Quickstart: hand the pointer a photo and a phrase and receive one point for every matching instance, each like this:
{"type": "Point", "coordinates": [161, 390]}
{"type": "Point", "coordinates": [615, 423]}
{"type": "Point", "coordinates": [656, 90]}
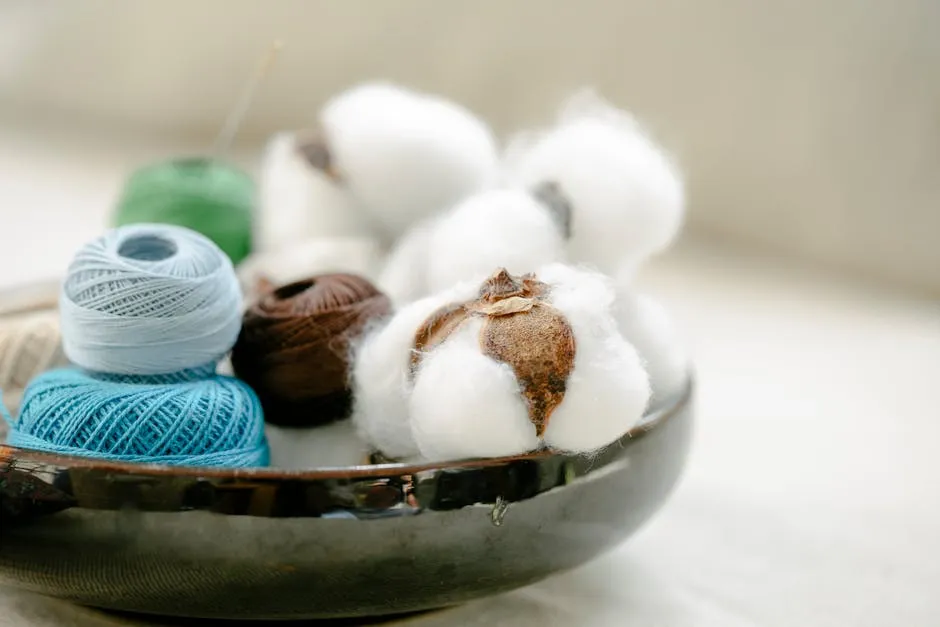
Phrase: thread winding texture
{"type": "Point", "coordinates": [294, 347]}
{"type": "Point", "coordinates": [146, 312]}
{"type": "Point", "coordinates": [190, 418]}
{"type": "Point", "coordinates": [207, 196]}
{"type": "Point", "coordinates": [149, 299]}
{"type": "Point", "coordinates": [29, 345]}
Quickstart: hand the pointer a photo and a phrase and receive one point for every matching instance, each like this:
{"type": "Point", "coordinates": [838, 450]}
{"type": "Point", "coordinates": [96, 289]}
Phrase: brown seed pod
{"type": "Point", "coordinates": [294, 346]}
{"type": "Point", "coordinates": [520, 329]}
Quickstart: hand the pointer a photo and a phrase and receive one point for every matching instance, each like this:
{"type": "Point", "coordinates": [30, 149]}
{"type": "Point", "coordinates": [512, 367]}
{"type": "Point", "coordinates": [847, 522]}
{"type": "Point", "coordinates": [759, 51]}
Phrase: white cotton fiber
{"type": "Point", "coordinates": [498, 228]}
{"type": "Point", "coordinates": [608, 390]}
{"type": "Point", "coordinates": [380, 375]}
{"type": "Point", "coordinates": [626, 195]}
{"type": "Point", "coordinates": [298, 202]}
{"type": "Point", "coordinates": [405, 155]}
{"type": "Point", "coordinates": [466, 405]}
{"type": "Point", "coordinates": [502, 228]}
{"type": "Point", "coordinates": [332, 445]}
{"type": "Point", "coordinates": [647, 326]}
{"type": "Point", "coordinates": [404, 274]}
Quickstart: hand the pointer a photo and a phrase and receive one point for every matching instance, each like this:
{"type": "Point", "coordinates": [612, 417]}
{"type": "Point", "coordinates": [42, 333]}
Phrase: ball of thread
{"type": "Point", "coordinates": [294, 348]}
{"type": "Point", "coordinates": [29, 345]}
{"type": "Point", "coordinates": [188, 418]}
{"type": "Point", "coordinates": [205, 195]}
{"type": "Point", "coordinates": [149, 299]}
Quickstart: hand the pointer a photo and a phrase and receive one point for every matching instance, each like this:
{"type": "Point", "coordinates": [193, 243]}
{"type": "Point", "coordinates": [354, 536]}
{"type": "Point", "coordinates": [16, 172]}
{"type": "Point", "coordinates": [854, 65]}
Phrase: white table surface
{"type": "Point", "coordinates": [812, 496]}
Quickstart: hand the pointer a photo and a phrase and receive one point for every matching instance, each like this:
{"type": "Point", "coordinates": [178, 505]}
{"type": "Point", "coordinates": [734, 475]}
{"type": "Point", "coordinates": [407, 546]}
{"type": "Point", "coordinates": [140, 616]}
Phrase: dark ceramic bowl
{"type": "Point", "coordinates": [332, 542]}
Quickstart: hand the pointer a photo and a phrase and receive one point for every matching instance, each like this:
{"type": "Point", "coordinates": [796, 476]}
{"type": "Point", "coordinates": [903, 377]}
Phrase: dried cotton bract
{"type": "Point", "coordinates": [507, 228]}
{"type": "Point", "coordinates": [523, 362]}
{"type": "Point", "coordinates": [626, 195]}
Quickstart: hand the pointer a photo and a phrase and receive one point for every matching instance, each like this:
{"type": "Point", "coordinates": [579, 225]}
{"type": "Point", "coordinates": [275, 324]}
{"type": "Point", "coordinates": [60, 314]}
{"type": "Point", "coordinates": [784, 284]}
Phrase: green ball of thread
{"type": "Point", "coordinates": [205, 195]}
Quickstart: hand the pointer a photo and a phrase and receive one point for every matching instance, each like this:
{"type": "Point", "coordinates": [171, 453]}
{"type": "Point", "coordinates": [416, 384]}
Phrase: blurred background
{"type": "Point", "coordinates": [806, 283]}
{"type": "Point", "coordinates": [807, 129]}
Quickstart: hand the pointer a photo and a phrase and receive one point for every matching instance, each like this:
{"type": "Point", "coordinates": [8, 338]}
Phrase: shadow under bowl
{"type": "Point", "coordinates": [324, 543]}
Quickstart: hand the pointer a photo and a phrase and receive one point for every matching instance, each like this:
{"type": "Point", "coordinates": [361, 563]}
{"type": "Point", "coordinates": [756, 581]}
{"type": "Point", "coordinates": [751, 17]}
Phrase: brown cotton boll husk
{"type": "Point", "coordinates": [294, 346]}
{"type": "Point", "coordinates": [520, 329]}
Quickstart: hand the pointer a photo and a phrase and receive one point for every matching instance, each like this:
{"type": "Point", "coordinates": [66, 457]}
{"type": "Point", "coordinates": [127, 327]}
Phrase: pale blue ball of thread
{"type": "Point", "coordinates": [149, 299]}
{"type": "Point", "coordinates": [189, 418]}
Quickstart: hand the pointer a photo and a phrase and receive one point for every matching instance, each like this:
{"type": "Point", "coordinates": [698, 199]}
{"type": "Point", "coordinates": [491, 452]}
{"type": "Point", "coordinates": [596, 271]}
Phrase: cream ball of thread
{"type": "Point", "coordinates": [149, 299]}
{"type": "Point", "coordinates": [381, 371]}
{"type": "Point", "coordinates": [647, 325]}
{"type": "Point", "coordinates": [30, 344]}
{"type": "Point", "coordinates": [404, 154]}
{"type": "Point", "coordinates": [497, 228]}
{"type": "Point", "coordinates": [626, 194]}
{"type": "Point", "coordinates": [299, 203]}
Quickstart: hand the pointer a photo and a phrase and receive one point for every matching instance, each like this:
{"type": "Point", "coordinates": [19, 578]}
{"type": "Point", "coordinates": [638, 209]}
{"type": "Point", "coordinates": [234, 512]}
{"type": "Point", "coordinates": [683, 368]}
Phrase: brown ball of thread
{"type": "Point", "coordinates": [294, 346]}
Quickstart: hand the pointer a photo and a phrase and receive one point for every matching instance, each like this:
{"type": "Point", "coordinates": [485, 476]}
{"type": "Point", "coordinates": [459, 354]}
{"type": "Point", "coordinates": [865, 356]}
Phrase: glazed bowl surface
{"type": "Point", "coordinates": [328, 542]}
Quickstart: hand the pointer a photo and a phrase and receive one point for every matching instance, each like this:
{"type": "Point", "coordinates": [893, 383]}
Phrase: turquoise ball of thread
{"type": "Point", "coordinates": [189, 418]}
{"type": "Point", "coordinates": [206, 195]}
{"type": "Point", "coordinates": [146, 312]}
{"type": "Point", "coordinates": [149, 299]}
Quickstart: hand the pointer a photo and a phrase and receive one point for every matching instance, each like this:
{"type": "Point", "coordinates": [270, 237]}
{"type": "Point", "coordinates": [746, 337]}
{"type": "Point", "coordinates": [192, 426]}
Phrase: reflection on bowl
{"type": "Point", "coordinates": [329, 542]}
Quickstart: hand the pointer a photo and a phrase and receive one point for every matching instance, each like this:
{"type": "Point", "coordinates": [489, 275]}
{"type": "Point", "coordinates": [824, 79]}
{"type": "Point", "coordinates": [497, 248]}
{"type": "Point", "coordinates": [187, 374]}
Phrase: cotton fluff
{"type": "Point", "coordinates": [485, 414]}
{"type": "Point", "coordinates": [498, 228]}
{"type": "Point", "coordinates": [609, 389]}
{"type": "Point", "coordinates": [646, 324]}
{"type": "Point", "coordinates": [299, 203]}
{"type": "Point", "coordinates": [381, 366]}
{"type": "Point", "coordinates": [626, 195]}
{"type": "Point", "coordinates": [404, 273]}
{"type": "Point", "coordinates": [405, 155]}
{"type": "Point", "coordinates": [466, 404]}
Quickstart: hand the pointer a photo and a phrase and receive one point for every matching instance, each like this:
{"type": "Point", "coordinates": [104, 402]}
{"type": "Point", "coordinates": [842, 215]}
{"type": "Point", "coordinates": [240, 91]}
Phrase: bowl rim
{"type": "Point", "coordinates": [651, 421]}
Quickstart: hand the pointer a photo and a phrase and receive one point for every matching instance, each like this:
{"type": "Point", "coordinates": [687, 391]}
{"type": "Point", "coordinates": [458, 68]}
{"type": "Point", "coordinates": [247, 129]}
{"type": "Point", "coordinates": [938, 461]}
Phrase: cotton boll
{"type": "Point", "coordinates": [608, 390]}
{"type": "Point", "coordinates": [499, 228]}
{"type": "Point", "coordinates": [606, 396]}
{"type": "Point", "coordinates": [530, 359]}
{"type": "Point", "coordinates": [298, 202]}
{"type": "Point", "coordinates": [404, 274]}
{"type": "Point", "coordinates": [503, 228]}
{"type": "Point", "coordinates": [405, 155]}
{"type": "Point", "coordinates": [466, 405]}
{"type": "Point", "coordinates": [626, 195]}
{"type": "Point", "coordinates": [648, 327]}
{"type": "Point", "coordinates": [381, 366]}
